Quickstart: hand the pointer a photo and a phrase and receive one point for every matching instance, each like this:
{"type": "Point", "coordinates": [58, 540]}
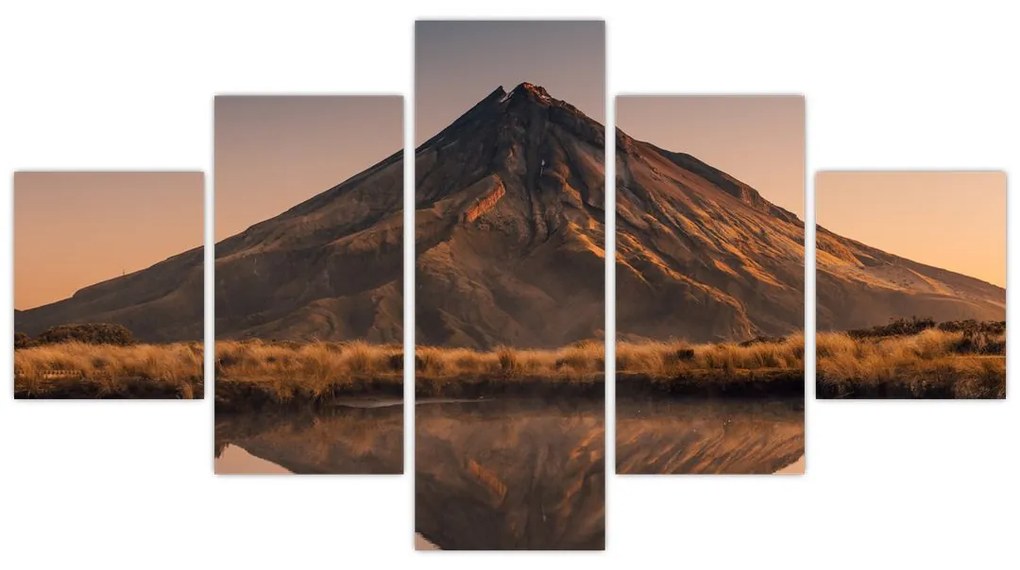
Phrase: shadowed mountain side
{"type": "Point", "coordinates": [162, 303]}
{"type": "Point", "coordinates": [509, 225]}
{"type": "Point", "coordinates": [859, 286]}
{"type": "Point", "coordinates": [511, 474]}
{"type": "Point", "coordinates": [328, 269]}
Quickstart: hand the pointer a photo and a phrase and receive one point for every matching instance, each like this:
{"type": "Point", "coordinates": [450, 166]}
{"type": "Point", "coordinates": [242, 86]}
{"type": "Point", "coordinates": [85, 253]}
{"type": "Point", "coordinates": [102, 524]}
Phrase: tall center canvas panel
{"type": "Point", "coordinates": [308, 284]}
{"type": "Point", "coordinates": [509, 285]}
{"type": "Point", "coordinates": [710, 284]}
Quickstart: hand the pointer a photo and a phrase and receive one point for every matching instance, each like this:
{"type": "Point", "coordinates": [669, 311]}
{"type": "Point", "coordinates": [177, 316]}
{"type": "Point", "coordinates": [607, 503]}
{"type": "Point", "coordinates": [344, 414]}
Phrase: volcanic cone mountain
{"type": "Point", "coordinates": [509, 225]}
{"type": "Point", "coordinates": [509, 241]}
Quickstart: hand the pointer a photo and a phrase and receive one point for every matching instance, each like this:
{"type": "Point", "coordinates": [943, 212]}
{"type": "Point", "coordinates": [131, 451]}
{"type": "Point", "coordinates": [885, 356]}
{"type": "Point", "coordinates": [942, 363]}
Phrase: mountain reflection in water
{"type": "Point", "coordinates": [342, 439]}
{"type": "Point", "coordinates": [704, 435]}
{"type": "Point", "coordinates": [511, 474]}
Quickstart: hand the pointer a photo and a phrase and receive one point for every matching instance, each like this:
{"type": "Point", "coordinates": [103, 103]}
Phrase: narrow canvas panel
{"type": "Point", "coordinates": [910, 279]}
{"type": "Point", "coordinates": [308, 284]}
{"type": "Point", "coordinates": [509, 285]}
{"type": "Point", "coordinates": [108, 281]}
{"type": "Point", "coordinates": [710, 284]}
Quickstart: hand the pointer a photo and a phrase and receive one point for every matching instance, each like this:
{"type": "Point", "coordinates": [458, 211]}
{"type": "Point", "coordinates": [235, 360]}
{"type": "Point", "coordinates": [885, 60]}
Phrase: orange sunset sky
{"type": "Point", "coordinates": [951, 220]}
{"type": "Point", "coordinates": [74, 229]}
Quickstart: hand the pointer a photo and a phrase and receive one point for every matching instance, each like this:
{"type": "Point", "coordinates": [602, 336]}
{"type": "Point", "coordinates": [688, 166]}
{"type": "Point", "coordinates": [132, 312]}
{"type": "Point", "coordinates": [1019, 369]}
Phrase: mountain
{"type": "Point", "coordinates": [703, 256]}
{"type": "Point", "coordinates": [700, 255]}
{"type": "Point", "coordinates": [161, 303]}
{"type": "Point", "coordinates": [860, 286]}
{"type": "Point", "coordinates": [509, 242]}
{"type": "Point", "coordinates": [329, 268]}
{"type": "Point", "coordinates": [509, 225]}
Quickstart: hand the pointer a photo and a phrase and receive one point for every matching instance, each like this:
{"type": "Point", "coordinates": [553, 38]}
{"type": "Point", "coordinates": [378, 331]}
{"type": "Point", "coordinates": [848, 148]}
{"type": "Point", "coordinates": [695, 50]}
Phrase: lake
{"type": "Point", "coordinates": [359, 437]}
{"type": "Point", "coordinates": [510, 473]}
{"type": "Point", "coordinates": [672, 434]}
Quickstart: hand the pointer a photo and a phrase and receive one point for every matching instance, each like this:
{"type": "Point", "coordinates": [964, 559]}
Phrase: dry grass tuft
{"type": "Point", "coordinates": [937, 362]}
{"type": "Point", "coordinates": [577, 361]}
{"type": "Point", "coordinates": [253, 372]}
{"type": "Point", "coordinates": [671, 359]}
{"type": "Point", "coordinates": [76, 369]}
{"type": "Point", "coordinates": [283, 372]}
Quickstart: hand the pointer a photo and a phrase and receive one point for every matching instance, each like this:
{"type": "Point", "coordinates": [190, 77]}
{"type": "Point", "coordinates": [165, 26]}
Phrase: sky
{"type": "Point", "coordinates": [274, 152]}
{"type": "Point", "coordinates": [758, 139]}
{"type": "Point", "coordinates": [458, 63]}
{"type": "Point", "coordinates": [951, 220]}
{"type": "Point", "coordinates": [74, 229]}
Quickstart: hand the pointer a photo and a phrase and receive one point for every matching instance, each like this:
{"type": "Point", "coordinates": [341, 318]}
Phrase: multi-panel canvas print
{"type": "Point", "coordinates": [911, 276]}
{"type": "Point", "coordinates": [509, 285]}
{"type": "Point", "coordinates": [709, 284]}
{"type": "Point", "coordinates": [308, 284]}
{"type": "Point", "coordinates": [108, 278]}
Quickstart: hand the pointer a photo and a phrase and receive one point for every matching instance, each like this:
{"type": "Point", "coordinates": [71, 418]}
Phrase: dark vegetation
{"type": "Point", "coordinates": [87, 333]}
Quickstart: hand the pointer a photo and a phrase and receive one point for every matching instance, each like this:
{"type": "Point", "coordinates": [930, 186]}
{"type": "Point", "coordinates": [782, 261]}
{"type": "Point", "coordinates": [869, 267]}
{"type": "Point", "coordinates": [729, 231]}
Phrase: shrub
{"type": "Point", "coordinates": [22, 340]}
{"type": "Point", "coordinates": [88, 333]}
{"type": "Point", "coordinates": [896, 327]}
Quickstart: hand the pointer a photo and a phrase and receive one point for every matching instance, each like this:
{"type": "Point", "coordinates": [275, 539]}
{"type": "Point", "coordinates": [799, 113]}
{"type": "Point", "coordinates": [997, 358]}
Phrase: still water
{"type": "Point", "coordinates": [352, 438]}
{"type": "Point", "coordinates": [711, 436]}
{"type": "Point", "coordinates": [510, 473]}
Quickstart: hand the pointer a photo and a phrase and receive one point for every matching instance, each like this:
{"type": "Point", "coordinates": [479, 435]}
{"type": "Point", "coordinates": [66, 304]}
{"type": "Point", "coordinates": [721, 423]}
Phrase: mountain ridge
{"type": "Point", "coordinates": [509, 249]}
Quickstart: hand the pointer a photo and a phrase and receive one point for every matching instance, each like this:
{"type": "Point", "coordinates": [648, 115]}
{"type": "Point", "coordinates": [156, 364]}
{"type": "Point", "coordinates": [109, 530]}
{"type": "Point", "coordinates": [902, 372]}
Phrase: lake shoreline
{"type": "Point", "coordinates": [135, 388]}
{"type": "Point", "coordinates": [711, 383]}
{"type": "Point", "coordinates": [234, 395]}
{"type": "Point", "coordinates": [894, 390]}
{"type": "Point", "coordinates": [241, 395]}
{"type": "Point", "coordinates": [501, 385]}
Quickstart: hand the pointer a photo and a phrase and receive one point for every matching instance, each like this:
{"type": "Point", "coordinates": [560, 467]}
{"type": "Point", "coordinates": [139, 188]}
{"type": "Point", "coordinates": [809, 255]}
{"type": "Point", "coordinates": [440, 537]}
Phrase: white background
{"type": "Point", "coordinates": [113, 85]}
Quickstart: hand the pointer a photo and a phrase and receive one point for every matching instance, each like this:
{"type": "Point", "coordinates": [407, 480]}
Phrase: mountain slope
{"type": "Point", "coordinates": [161, 303]}
{"type": "Point", "coordinates": [701, 255]}
{"type": "Point", "coordinates": [509, 241]}
{"type": "Point", "coordinates": [860, 286]}
{"type": "Point", "coordinates": [509, 225]}
{"type": "Point", "coordinates": [330, 268]}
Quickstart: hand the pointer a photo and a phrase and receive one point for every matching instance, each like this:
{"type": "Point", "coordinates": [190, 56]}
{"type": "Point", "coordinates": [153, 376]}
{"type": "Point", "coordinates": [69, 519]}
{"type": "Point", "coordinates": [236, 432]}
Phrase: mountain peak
{"type": "Point", "coordinates": [527, 103]}
{"type": "Point", "coordinates": [531, 91]}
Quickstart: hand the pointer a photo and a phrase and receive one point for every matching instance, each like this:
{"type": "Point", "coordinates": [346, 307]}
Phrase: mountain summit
{"type": "Point", "coordinates": [509, 225]}
{"type": "Point", "coordinates": [509, 242]}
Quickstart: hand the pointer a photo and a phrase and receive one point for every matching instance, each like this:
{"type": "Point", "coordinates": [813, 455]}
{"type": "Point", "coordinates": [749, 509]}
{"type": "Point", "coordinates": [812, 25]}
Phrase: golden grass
{"type": "Point", "coordinates": [281, 372]}
{"type": "Point", "coordinates": [932, 363]}
{"type": "Point", "coordinates": [251, 371]}
{"type": "Point", "coordinates": [319, 362]}
{"type": "Point", "coordinates": [676, 358]}
{"type": "Point", "coordinates": [68, 368]}
{"type": "Point", "coordinates": [464, 372]}
{"type": "Point", "coordinates": [579, 360]}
